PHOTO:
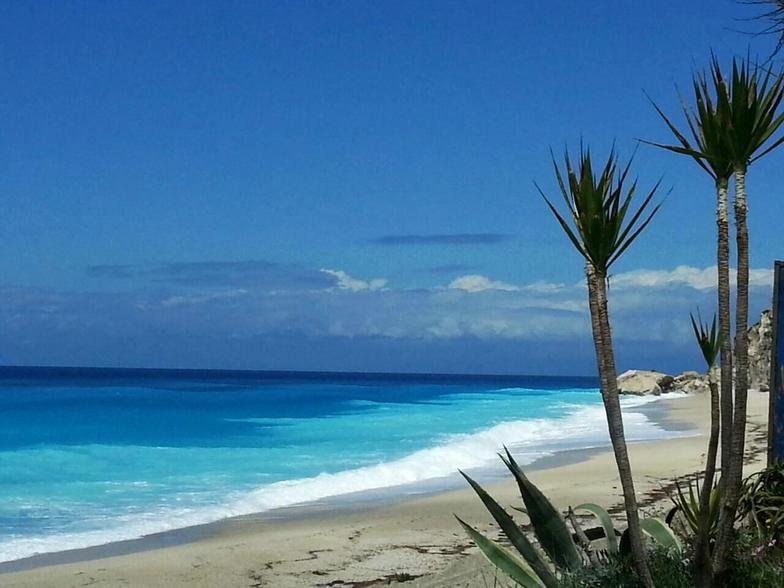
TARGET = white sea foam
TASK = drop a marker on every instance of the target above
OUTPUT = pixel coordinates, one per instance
(582, 427)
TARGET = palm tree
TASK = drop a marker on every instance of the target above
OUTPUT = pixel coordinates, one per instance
(732, 128)
(708, 147)
(750, 103)
(708, 341)
(601, 227)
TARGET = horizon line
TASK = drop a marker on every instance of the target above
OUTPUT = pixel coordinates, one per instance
(287, 372)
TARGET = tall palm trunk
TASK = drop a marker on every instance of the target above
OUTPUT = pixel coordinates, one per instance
(605, 359)
(702, 560)
(735, 473)
(721, 397)
(723, 265)
(721, 401)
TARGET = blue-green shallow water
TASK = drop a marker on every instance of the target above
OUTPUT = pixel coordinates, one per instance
(89, 456)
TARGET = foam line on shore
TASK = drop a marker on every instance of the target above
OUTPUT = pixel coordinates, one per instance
(581, 427)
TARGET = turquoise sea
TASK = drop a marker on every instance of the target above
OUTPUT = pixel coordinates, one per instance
(91, 456)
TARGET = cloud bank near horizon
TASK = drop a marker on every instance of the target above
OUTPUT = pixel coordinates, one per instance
(259, 314)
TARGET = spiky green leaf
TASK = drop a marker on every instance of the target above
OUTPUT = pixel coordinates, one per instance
(548, 524)
(707, 338)
(514, 567)
(600, 222)
(515, 535)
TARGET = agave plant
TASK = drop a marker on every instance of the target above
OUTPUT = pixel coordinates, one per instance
(689, 505)
(762, 502)
(557, 552)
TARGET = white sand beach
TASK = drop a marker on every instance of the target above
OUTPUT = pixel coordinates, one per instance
(416, 543)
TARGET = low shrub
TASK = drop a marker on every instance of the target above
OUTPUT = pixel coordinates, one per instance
(668, 570)
(756, 563)
(762, 502)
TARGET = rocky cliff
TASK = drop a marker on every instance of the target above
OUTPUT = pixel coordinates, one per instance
(760, 345)
(639, 382)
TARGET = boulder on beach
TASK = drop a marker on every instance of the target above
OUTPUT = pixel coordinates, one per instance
(691, 382)
(649, 382)
(643, 383)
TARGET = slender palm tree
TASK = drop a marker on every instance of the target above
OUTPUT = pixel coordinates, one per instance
(708, 341)
(601, 226)
(707, 145)
(750, 102)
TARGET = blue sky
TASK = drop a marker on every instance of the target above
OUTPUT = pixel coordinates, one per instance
(346, 185)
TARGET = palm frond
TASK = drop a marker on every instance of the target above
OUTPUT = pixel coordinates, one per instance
(705, 141)
(752, 102)
(707, 338)
(600, 222)
(733, 120)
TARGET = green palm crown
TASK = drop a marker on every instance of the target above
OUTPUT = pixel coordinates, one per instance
(601, 224)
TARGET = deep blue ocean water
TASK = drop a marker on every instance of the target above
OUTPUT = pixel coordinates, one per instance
(89, 456)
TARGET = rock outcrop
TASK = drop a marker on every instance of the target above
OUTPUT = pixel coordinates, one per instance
(642, 382)
(760, 344)
(691, 382)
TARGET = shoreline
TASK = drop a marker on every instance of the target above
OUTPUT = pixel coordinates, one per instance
(333, 506)
(294, 527)
(344, 503)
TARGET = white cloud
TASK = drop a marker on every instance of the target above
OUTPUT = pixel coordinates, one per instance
(646, 307)
(684, 275)
(346, 282)
(445, 328)
(200, 299)
(494, 325)
(761, 277)
(477, 283)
